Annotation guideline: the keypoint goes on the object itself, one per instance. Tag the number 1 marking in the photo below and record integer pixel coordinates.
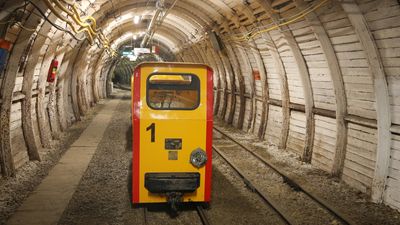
(152, 127)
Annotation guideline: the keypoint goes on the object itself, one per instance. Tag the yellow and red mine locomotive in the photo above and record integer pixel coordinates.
(172, 120)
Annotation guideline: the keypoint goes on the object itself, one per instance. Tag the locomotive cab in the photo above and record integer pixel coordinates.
(172, 133)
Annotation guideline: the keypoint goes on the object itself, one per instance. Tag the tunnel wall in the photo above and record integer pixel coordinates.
(347, 68)
(325, 87)
(33, 111)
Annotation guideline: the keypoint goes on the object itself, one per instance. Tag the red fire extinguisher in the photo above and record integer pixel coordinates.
(52, 71)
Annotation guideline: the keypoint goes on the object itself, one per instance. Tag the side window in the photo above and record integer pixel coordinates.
(173, 91)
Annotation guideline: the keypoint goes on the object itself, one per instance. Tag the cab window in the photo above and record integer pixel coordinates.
(173, 91)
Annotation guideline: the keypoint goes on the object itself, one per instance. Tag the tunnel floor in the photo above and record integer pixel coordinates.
(101, 195)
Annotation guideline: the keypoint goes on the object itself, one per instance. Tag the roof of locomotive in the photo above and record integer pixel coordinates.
(172, 64)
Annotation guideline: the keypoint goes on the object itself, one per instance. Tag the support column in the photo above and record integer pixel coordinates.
(366, 38)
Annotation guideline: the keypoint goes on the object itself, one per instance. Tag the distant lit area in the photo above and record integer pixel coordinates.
(131, 53)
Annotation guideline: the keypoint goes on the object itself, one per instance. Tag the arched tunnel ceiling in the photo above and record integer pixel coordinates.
(194, 18)
(319, 78)
(167, 32)
(186, 20)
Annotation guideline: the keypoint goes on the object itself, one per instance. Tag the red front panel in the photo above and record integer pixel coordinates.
(207, 191)
(136, 136)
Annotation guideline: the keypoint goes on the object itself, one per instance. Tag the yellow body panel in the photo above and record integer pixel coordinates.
(189, 125)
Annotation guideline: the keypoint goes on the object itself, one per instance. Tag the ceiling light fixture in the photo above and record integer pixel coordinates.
(136, 19)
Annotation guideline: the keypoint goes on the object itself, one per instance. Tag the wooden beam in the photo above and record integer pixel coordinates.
(366, 122)
(263, 73)
(239, 76)
(82, 70)
(221, 81)
(338, 85)
(304, 76)
(395, 129)
(381, 95)
(246, 64)
(22, 46)
(95, 76)
(231, 15)
(209, 61)
(253, 117)
(223, 78)
(301, 108)
(231, 84)
(63, 81)
(284, 87)
(265, 91)
(195, 55)
(54, 124)
(27, 85)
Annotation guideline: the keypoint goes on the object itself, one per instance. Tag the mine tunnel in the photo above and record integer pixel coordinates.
(302, 105)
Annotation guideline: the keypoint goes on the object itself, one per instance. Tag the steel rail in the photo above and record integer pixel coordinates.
(202, 215)
(200, 212)
(293, 183)
(145, 216)
(253, 188)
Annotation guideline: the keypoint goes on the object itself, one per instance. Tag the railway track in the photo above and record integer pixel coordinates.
(275, 204)
(189, 215)
(203, 216)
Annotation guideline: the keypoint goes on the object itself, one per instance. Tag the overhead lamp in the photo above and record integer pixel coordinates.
(136, 19)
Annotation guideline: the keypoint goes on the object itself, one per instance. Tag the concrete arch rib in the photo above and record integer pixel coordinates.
(236, 67)
(230, 85)
(264, 85)
(8, 83)
(246, 65)
(304, 76)
(381, 95)
(53, 115)
(44, 120)
(26, 109)
(337, 79)
(284, 87)
(223, 77)
(190, 53)
(63, 86)
(194, 54)
(217, 81)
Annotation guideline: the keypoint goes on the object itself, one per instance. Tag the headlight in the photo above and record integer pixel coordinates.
(198, 157)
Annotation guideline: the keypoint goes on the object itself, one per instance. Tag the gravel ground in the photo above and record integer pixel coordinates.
(298, 208)
(233, 202)
(351, 202)
(102, 196)
(14, 191)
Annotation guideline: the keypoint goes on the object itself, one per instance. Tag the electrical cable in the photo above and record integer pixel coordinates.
(53, 24)
(85, 26)
(6, 22)
(58, 14)
(25, 28)
(252, 35)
